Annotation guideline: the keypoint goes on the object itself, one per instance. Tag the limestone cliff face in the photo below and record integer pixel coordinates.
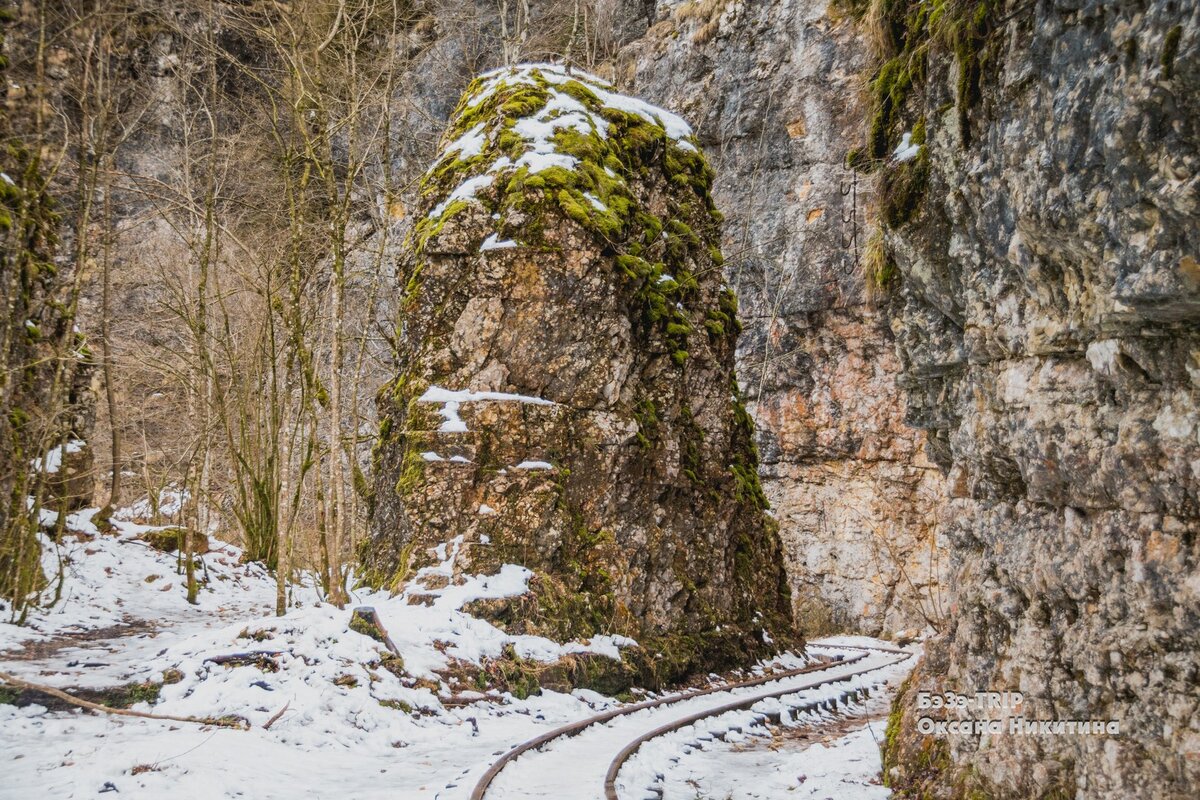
(566, 398)
(1048, 327)
(775, 92)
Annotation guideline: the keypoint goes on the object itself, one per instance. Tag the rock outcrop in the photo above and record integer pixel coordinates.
(774, 90)
(1044, 224)
(565, 397)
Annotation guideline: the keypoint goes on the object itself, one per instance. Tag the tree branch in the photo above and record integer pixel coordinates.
(124, 712)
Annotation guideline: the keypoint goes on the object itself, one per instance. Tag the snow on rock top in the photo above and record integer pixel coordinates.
(557, 75)
(436, 394)
(535, 465)
(907, 150)
(53, 459)
(494, 242)
(522, 132)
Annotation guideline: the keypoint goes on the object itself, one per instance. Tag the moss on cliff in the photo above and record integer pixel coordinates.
(1170, 49)
(909, 35)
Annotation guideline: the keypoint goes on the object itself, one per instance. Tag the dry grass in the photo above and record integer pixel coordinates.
(875, 30)
(707, 14)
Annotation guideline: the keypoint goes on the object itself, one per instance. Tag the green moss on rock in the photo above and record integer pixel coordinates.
(916, 32)
(610, 209)
(612, 148)
(1169, 50)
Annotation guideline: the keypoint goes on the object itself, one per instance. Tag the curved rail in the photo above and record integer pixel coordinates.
(575, 728)
(870, 648)
(614, 768)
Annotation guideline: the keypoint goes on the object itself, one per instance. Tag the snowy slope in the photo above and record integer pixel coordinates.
(349, 720)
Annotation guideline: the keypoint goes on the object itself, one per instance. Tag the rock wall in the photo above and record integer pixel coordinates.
(565, 397)
(775, 91)
(1048, 327)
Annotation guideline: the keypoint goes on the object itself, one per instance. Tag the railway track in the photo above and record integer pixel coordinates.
(583, 760)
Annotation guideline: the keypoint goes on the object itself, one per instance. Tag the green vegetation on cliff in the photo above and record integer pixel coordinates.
(905, 35)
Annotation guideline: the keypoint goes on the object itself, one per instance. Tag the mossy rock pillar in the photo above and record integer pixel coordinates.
(566, 397)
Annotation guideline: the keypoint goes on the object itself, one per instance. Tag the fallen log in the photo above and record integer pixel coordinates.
(253, 658)
(20, 683)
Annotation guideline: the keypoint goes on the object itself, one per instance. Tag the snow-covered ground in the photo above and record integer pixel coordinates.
(845, 767)
(817, 755)
(346, 719)
(118, 585)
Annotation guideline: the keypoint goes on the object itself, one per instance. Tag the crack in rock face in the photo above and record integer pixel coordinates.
(565, 361)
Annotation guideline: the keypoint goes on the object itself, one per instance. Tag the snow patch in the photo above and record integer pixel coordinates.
(1102, 355)
(452, 400)
(561, 112)
(52, 461)
(1177, 418)
(493, 242)
(467, 189)
(532, 465)
(170, 502)
(906, 150)
(470, 144)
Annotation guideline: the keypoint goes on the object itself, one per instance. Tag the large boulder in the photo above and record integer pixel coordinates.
(565, 397)
(69, 474)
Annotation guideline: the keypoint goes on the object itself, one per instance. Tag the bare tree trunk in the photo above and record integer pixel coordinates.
(110, 389)
(285, 514)
(337, 476)
(281, 531)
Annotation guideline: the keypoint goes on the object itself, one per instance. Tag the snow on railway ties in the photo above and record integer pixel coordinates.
(586, 759)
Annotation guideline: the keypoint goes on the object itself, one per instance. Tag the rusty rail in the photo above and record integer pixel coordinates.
(575, 728)
(614, 768)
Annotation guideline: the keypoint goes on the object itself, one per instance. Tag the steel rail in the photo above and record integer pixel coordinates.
(575, 728)
(614, 768)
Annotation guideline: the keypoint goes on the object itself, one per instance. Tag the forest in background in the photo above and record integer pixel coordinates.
(223, 188)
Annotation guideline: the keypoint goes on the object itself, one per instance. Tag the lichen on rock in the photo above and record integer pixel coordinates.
(565, 396)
